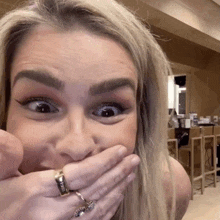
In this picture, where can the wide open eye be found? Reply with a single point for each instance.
(109, 110)
(40, 104)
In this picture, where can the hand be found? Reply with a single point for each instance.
(11, 155)
(112, 177)
(36, 196)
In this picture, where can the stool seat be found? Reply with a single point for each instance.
(186, 148)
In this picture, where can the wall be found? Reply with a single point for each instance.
(205, 93)
(189, 33)
(203, 90)
(7, 5)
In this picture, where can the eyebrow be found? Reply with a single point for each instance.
(110, 85)
(41, 77)
(96, 89)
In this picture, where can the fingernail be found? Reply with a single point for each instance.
(122, 151)
(130, 177)
(135, 160)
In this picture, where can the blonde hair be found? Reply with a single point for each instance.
(145, 198)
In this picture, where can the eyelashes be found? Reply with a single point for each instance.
(110, 109)
(44, 105)
(40, 105)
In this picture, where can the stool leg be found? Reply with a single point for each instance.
(202, 166)
(214, 161)
(192, 170)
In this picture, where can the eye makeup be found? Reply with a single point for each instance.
(109, 109)
(46, 104)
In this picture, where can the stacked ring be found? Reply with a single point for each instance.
(61, 183)
(64, 190)
(88, 206)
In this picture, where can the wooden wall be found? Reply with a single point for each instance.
(205, 93)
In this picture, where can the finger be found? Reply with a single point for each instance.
(84, 173)
(80, 174)
(113, 209)
(110, 179)
(106, 211)
(70, 203)
(11, 155)
(108, 205)
(103, 210)
(66, 206)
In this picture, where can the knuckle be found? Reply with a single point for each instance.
(75, 178)
(86, 179)
(118, 178)
(110, 163)
(100, 193)
(126, 169)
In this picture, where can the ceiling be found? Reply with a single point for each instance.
(217, 1)
(185, 52)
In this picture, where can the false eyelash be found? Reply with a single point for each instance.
(32, 99)
(114, 104)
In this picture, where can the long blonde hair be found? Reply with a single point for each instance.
(145, 199)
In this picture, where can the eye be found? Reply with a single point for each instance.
(109, 110)
(40, 105)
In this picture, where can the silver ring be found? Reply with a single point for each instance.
(80, 196)
(61, 182)
(88, 206)
(80, 211)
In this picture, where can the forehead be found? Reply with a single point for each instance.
(76, 55)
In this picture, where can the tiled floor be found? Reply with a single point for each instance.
(206, 206)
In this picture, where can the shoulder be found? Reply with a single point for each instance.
(183, 187)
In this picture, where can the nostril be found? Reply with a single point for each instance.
(65, 158)
(74, 154)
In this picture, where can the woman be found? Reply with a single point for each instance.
(83, 93)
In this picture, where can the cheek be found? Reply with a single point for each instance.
(123, 133)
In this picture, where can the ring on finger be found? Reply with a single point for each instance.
(88, 206)
(80, 195)
(61, 182)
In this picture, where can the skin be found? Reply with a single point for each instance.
(73, 128)
(80, 60)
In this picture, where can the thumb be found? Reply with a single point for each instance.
(11, 155)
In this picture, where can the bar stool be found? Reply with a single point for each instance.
(209, 143)
(172, 143)
(217, 139)
(195, 142)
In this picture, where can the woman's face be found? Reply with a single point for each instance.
(73, 94)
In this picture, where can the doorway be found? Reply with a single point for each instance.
(177, 93)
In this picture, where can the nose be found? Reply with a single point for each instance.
(76, 138)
